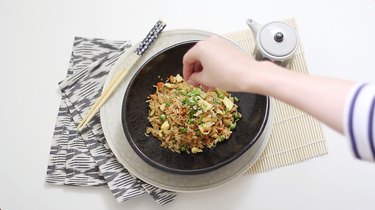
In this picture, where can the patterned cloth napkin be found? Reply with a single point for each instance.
(84, 159)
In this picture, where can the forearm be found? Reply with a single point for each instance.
(323, 98)
(215, 63)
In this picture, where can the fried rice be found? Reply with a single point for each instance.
(187, 119)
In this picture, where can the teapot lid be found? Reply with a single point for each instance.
(278, 39)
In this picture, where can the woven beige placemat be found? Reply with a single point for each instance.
(296, 136)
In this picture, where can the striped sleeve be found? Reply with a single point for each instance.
(359, 121)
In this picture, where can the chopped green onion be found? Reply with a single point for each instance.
(200, 120)
(195, 92)
(236, 99)
(192, 111)
(232, 126)
(221, 138)
(191, 101)
(220, 94)
(183, 130)
(167, 104)
(185, 101)
(182, 148)
(191, 120)
(216, 101)
(236, 116)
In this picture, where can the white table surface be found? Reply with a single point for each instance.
(35, 45)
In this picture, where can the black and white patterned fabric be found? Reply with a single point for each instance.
(84, 158)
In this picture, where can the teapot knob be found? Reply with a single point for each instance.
(279, 37)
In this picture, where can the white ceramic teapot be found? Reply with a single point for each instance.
(276, 41)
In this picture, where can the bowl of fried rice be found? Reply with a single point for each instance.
(182, 129)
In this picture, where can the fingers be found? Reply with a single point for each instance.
(192, 70)
(196, 79)
(206, 88)
(191, 62)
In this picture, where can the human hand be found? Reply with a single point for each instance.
(217, 63)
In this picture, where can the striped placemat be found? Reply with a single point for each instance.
(296, 136)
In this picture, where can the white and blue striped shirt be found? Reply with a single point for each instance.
(359, 121)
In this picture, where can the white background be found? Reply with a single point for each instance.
(35, 44)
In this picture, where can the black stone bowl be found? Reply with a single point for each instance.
(254, 109)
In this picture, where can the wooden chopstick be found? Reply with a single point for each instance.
(107, 92)
(130, 62)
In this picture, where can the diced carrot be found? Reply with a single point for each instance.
(183, 112)
(159, 85)
(206, 138)
(220, 129)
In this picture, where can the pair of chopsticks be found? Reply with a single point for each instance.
(130, 62)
